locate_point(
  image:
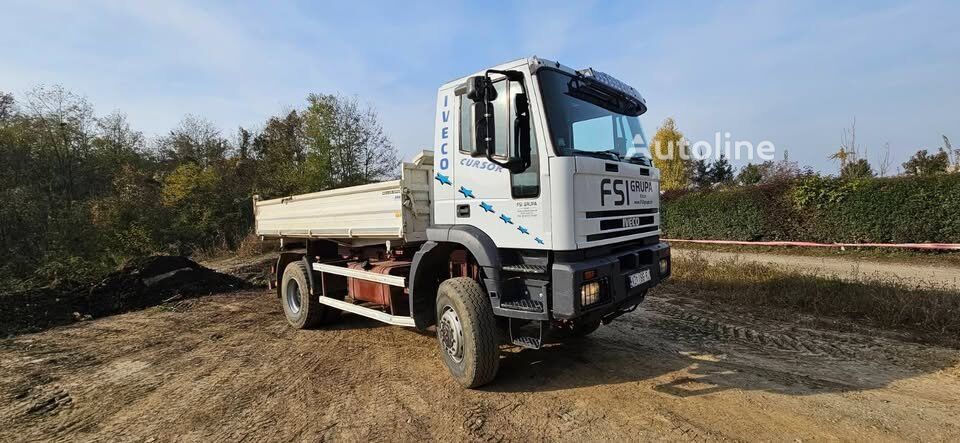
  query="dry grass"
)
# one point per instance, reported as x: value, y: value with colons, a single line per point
x: 885, y: 303
x: 938, y: 258
x: 249, y: 246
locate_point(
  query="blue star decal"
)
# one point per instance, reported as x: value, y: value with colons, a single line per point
x: 443, y: 179
x: 523, y: 229
x: 506, y: 219
x: 466, y: 192
x: 486, y: 207
x: 539, y: 240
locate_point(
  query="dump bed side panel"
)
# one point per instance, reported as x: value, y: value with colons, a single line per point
x: 367, y: 211
x: 397, y: 210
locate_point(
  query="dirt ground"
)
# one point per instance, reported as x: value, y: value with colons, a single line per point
x: 227, y: 368
x: 918, y: 274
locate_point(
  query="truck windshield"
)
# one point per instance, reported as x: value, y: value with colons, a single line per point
x: 579, y: 127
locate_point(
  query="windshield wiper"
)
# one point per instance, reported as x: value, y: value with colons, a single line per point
x: 639, y: 159
x: 599, y: 154
x: 615, y: 154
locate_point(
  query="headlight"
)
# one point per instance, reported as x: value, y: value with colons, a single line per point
x: 590, y: 293
x: 664, y: 266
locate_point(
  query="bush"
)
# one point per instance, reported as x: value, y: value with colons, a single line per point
x: 822, y: 209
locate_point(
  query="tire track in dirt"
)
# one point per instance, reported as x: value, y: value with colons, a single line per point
x: 685, y: 429
x: 779, y: 341
x: 475, y: 421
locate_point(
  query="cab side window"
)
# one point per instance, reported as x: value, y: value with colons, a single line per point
x: 466, y: 124
x: 527, y: 183
x: 501, y: 112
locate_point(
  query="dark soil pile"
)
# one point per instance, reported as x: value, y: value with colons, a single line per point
x: 142, y: 283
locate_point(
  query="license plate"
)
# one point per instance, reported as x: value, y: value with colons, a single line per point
x: 631, y: 222
x: 638, y: 278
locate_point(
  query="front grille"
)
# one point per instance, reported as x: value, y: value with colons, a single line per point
x: 617, y: 223
x: 621, y: 212
x: 614, y: 234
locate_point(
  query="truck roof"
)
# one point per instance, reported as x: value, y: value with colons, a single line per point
x: 532, y: 61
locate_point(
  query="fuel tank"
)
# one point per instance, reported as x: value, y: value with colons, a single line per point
x: 379, y: 293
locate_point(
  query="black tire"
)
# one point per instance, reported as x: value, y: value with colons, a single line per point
x: 301, y: 310
x: 478, y: 343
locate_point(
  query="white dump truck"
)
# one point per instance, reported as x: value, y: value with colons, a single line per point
x: 535, y: 216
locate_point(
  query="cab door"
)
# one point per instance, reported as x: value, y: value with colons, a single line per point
x: 507, y: 206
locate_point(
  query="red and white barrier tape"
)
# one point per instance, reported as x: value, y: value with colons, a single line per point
x: 928, y: 246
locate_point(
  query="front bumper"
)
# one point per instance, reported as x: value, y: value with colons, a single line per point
x: 613, y: 271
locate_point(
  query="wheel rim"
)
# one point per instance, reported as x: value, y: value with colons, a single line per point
x: 293, y: 296
x: 450, y: 333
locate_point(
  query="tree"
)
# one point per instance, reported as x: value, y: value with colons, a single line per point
x: 857, y: 169
x: 700, y: 176
x: 751, y: 174
x: 193, y: 195
x: 842, y: 156
x: 115, y: 145
x: 7, y: 104
x: 244, y: 140
x: 89, y: 191
x: 195, y: 140
x: 133, y: 214
x: 280, y: 154
x: 885, y: 160
x: 954, y: 152
x: 721, y: 172
x: 61, y: 124
x: 923, y: 163
x: 670, y: 155
x: 346, y: 142
x: 783, y: 170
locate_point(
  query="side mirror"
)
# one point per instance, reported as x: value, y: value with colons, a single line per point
x: 480, y: 89
x: 484, y: 137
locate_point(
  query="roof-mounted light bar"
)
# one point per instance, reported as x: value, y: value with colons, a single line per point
x: 612, y: 82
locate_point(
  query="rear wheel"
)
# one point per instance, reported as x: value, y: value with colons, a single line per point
x: 467, y: 332
x: 301, y: 310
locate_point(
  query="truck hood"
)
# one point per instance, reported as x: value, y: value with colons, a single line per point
x: 614, y: 202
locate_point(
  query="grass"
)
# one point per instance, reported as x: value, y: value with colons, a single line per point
x: 942, y: 258
x: 884, y: 303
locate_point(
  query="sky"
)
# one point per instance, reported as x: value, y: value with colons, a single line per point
x: 793, y: 73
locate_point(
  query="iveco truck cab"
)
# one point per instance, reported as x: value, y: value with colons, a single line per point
x: 535, y: 216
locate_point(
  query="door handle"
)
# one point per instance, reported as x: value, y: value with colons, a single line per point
x: 463, y: 210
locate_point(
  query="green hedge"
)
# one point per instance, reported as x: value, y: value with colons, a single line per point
x: 821, y: 209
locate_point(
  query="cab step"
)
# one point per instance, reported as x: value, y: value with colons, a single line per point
x: 528, y: 342
x: 523, y: 339
x: 525, y: 269
x: 522, y: 305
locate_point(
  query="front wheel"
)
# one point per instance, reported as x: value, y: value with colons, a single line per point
x: 467, y: 332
